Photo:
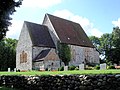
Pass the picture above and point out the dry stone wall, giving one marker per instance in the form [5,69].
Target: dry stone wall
[66,82]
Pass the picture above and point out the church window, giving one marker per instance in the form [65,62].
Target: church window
[23,57]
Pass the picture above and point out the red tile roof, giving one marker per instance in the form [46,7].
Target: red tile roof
[70,32]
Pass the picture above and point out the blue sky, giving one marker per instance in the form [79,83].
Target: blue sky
[95,16]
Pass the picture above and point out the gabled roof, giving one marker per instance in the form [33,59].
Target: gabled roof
[69,32]
[42,55]
[40,35]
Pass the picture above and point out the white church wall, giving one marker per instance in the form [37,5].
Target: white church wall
[52,32]
[52,64]
[77,53]
[24,44]
[91,55]
[50,61]
[83,55]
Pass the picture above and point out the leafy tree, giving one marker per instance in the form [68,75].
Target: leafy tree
[64,53]
[8,53]
[7,8]
[116,45]
[116,37]
[115,58]
[109,45]
[95,40]
[106,45]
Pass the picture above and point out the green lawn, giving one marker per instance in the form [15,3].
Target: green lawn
[112,71]
[5,88]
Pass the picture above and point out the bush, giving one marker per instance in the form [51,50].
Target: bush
[92,64]
[71,68]
[111,67]
[89,68]
[97,67]
[61,68]
[46,69]
[77,68]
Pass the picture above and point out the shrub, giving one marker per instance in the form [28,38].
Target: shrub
[71,68]
[77,68]
[111,67]
[46,69]
[92,64]
[89,68]
[97,67]
[61,68]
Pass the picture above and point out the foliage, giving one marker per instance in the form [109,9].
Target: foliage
[89,68]
[111,67]
[61,68]
[116,37]
[71,67]
[77,68]
[106,45]
[6,88]
[64,53]
[8,53]
[109,46]
[7,8]
[95,40]
[97,67]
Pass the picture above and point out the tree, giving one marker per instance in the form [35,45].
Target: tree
[116,45]
[116,37]
[106,41]
[7,8]
[104,44]
[64,53]
[8,53]
[96,41]
[109,45]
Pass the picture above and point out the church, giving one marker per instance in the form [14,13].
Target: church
[37,45]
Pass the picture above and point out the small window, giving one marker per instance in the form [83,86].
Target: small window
[23,57]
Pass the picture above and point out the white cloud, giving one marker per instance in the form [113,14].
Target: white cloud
[40,3]
[116,23]
[14,30]
[83,21]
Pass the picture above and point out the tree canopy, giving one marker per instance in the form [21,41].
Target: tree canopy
[109,45]
[7,8]
[8,53]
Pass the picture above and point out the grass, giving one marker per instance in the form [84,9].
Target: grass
[111,71]
[5,88]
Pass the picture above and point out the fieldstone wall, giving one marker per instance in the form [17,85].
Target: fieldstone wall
[66,82]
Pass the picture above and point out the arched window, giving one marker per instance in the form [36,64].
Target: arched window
[23,57]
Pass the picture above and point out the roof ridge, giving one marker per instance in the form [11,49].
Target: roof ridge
[69,32]
[62,18]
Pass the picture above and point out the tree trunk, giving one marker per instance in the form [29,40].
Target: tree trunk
[66,63]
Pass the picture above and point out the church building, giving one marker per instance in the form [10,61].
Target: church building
[37,45]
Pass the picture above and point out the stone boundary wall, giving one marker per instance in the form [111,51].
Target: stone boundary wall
[66,82]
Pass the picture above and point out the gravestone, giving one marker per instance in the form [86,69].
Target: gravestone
[65,68]
[103,66]
[42,68]
[81,67]
[8,69]
[15,69]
